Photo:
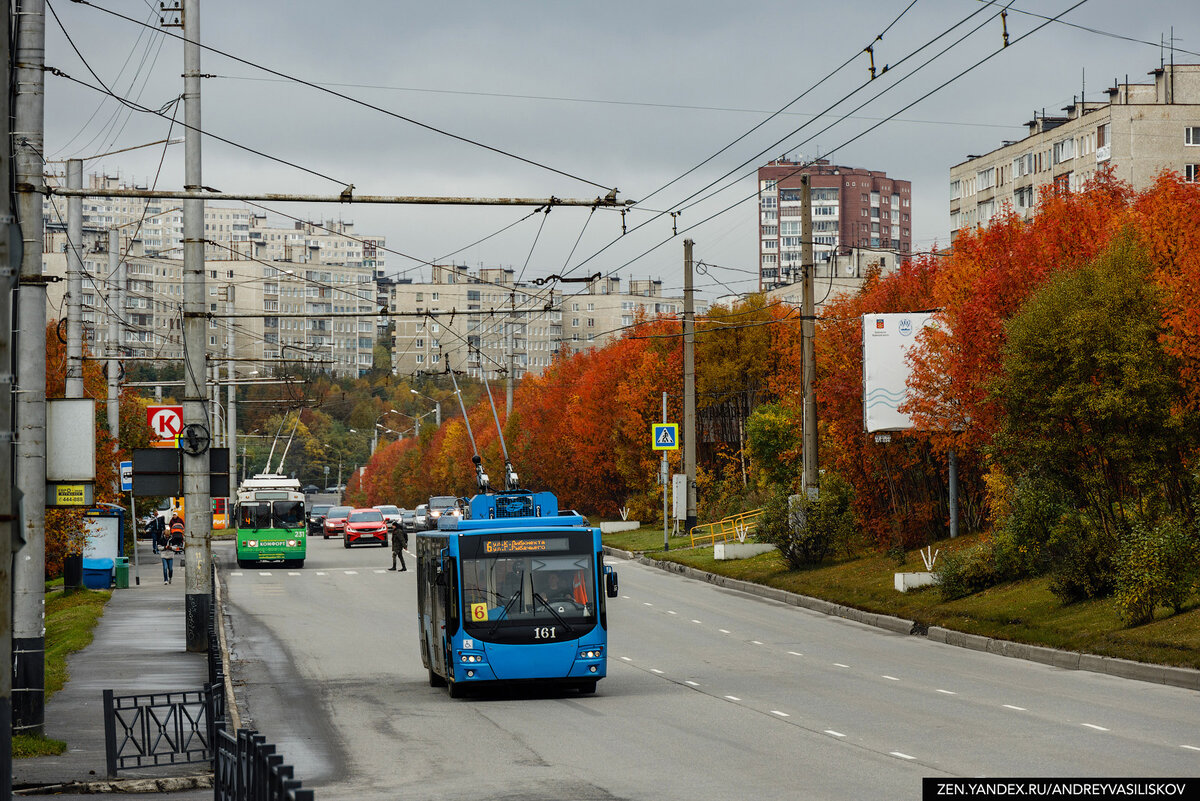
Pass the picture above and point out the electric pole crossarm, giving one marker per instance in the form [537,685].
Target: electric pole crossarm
[345,197]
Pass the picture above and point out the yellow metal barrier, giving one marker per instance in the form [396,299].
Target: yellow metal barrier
[731,527]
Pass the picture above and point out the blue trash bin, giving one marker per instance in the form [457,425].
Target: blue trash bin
[98,573]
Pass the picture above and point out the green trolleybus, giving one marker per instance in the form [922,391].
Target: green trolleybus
[270,521]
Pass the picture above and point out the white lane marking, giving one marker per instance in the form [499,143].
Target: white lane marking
[647,603]
[627,659]
[834,733]
[232,574]
[948,692]
[755,642]
[380,571]
[723,631]
[1018,708]
[1094,726]
[794,653]
[672,612]
[656,670]
[695,621]
[1190,747]
[694,684]
[350,572]
[732,698]
[902,756]
[626,597]
[839,664]
[891,678]
[264,572]
[295,574]
[319,573]
[781,714]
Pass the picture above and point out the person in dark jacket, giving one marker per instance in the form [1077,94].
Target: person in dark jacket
[158,532]
[399,543]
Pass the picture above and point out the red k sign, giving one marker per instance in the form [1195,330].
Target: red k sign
[165,421]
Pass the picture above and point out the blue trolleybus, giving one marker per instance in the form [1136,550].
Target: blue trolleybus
[513,592]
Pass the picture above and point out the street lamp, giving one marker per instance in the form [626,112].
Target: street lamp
[377,426]
[437,406]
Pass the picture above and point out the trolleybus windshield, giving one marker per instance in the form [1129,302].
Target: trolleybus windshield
[513,583]
[271,514]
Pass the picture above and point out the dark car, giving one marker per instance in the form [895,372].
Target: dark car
[316,517]
[441,505]
[365,525]
[335,521]
[311,489]
[408,520]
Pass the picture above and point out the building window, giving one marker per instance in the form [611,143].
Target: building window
[1191,173]
[1191,135]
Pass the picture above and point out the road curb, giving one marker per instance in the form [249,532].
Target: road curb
[171,784]
[1186,678]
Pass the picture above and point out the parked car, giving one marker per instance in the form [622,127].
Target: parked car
[311,489]
[440,505]
[391,515]
[365,525]
[316,517]
[408,520]
[421,517]
[335,521]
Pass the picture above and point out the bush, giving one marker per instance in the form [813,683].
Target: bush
[1084,557]
[804,531]
[968,571]
[1034,507]
[1157,565]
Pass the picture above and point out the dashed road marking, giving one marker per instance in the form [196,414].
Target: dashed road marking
[839,664]
[1190,747]
[902,756]
[380,571]
[694,684]
[834,733]
[947,692]
[350,572]
[264,572]
[672,612]
[1094,726]
[695,621]
[891,678]
[732,698]
[627,659]
[795,653]
[723,631]
[1018,708]
[319,573]
[235,574]
[780,714]
[295,574]
[656,670]
[647,603]
[755,642]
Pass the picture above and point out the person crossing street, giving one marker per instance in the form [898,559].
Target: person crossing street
[399,543]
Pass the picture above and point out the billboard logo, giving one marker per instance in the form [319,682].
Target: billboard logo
[879,324]
[906,327]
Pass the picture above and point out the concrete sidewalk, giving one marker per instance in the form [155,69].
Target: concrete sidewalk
[139,645]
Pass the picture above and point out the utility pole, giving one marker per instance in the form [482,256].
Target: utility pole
[230,408]
[115,300]
[689,388]
[29,562]
[10,236]
[808,327]
[512,356]
[74,379]
[197,499]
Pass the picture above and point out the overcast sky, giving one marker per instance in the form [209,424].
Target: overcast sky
[622,95]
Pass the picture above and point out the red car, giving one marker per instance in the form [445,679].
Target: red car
[365,525]
[335,521]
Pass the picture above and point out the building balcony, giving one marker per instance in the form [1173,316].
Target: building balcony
[1103,153]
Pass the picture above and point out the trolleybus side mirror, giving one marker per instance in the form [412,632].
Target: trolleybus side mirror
[610,582]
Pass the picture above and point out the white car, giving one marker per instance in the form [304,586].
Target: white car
[391,515]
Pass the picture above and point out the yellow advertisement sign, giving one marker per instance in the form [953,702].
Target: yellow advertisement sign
[68,495]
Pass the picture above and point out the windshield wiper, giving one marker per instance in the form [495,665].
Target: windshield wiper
[504,613]
[557,616]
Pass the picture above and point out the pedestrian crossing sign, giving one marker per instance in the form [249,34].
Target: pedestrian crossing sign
[665,436]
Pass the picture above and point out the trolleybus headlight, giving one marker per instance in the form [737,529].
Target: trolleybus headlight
[473,658]
[251,543]
[594,652]
[292,543]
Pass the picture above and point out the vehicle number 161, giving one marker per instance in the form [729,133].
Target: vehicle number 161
[544,633]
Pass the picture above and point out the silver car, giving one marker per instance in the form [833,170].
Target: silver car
[391,516]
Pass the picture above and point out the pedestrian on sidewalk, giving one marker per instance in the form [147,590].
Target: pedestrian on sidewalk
[158,532]
[174,546]
[399,543]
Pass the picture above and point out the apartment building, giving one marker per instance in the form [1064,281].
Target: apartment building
[1138,131]
[484,322]
[851,208]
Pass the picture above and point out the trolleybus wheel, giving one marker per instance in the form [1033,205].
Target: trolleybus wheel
[455,690]
[242,563]
[588,687]
[435,680]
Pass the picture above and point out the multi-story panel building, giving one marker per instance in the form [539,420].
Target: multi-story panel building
[485,323]
[1139,131]
[851,208]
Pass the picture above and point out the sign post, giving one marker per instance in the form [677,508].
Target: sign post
[127,486]
[664,437]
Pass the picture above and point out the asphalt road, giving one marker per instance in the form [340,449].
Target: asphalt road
[711,694]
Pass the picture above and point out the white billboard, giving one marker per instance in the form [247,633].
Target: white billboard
[886,340]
